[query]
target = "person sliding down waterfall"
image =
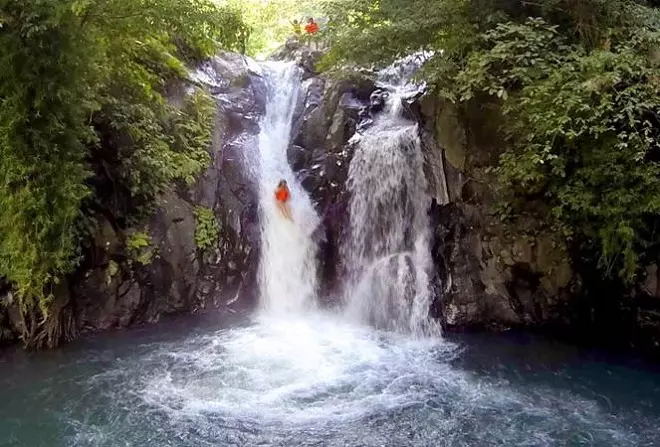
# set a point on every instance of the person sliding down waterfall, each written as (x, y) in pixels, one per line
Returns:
(282, 196)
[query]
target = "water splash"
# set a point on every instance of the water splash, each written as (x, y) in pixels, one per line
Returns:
(318, 380)
(288, 263)
(399, 76)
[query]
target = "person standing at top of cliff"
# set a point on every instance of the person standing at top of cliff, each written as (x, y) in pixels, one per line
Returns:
(297, 28)
(312, 28)
(282, 196)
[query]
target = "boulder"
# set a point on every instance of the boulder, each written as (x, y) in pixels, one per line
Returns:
(118, 288)
(324, 122)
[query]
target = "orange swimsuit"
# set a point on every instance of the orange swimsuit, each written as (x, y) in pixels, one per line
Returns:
(282, 194)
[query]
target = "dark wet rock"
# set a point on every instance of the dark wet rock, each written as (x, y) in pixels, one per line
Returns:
(325, 120)
(411, 107)
(377, 100)
(119, 288)
(520, 273)
(98, 301)
(174, 268)
(298, 157)
(328, 119)
(306, 57)
(498, 280)
(309, 126)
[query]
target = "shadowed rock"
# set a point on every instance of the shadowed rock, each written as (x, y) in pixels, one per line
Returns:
(117, 291)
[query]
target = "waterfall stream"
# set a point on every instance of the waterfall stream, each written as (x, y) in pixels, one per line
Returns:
(288, 262)
(388, 250)
(387, 253)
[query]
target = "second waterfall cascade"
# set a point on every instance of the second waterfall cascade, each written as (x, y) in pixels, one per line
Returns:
(388, 250)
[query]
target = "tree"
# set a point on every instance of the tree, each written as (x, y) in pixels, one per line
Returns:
(270, 22)
(577, 83)
(73, 72)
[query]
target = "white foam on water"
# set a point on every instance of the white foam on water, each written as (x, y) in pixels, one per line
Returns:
(320, 380)
(293, 370)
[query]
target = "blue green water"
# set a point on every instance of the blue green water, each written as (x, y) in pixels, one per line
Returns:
(318, 381)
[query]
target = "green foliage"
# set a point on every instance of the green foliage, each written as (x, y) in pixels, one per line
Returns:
(207, 230)
(583, 130)
(45, 102)
(191, 130)
(82, 82)
(579, 88)
(270, 22)
(385, 29)
(166, 145)
(138, 246)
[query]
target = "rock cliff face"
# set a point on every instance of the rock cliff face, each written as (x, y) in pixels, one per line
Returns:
(120, 284)
(494, 275)
(180, 277)
(518, 273)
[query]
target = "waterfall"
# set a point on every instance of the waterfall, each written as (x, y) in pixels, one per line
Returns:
(388, 249)
(287, 279)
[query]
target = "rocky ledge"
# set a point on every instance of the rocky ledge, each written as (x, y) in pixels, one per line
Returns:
(158, 268)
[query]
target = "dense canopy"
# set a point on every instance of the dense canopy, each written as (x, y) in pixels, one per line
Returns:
(577, 84)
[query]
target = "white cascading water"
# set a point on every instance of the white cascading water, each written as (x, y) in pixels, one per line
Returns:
(288, 280)
(388, 248)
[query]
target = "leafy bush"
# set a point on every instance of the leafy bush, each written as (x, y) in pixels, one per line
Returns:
(165, 144)
(578, 84)
(45, 77)
(207, 230)
(82, 93)
(138, 246)
(583, 132)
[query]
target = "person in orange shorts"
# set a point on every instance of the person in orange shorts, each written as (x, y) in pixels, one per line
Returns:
(312, 28)
(282, 196)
